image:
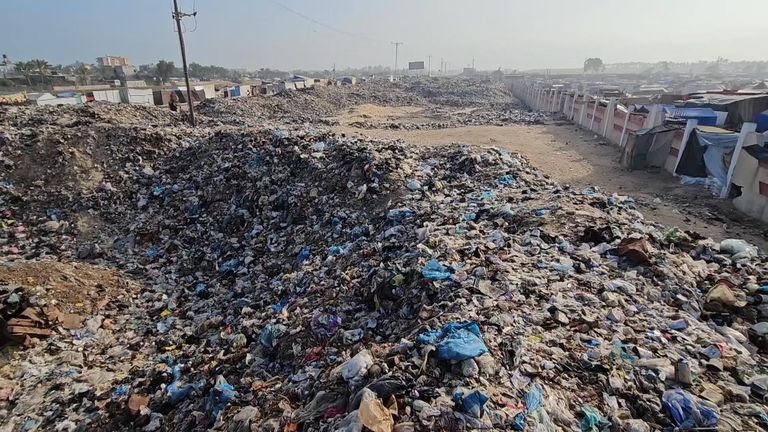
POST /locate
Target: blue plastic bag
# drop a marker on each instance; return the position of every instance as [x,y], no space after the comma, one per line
[220,396]
[455,342]
[400,214]
[177,392]
[433,270]
[592,421]
[229,265]
[518,423]
[472,404]
[533,398]
[339,250]
[270,334]
[687,411]
[507,180]
[303,254]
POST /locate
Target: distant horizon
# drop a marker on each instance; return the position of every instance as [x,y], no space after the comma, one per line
[308,35]
[578,67]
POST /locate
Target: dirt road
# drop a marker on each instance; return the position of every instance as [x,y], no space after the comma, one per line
[576,157]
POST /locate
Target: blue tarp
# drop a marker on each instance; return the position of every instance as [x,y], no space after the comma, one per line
[705,116]
[762,121]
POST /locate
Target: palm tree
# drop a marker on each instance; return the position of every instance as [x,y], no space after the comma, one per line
[24,68]
[42,67]
[83,73]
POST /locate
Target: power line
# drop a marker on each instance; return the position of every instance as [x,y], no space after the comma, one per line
[327,26]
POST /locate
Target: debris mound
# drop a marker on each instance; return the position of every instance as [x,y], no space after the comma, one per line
[291,279]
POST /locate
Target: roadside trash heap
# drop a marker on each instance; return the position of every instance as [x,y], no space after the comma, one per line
[292,280]
[496,115]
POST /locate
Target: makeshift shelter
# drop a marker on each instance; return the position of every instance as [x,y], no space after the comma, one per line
[648,148]
[741,108]
[751,175]
[704,156]
[705,116]
[162,97]
[762,121]
[103,95]
[136,96]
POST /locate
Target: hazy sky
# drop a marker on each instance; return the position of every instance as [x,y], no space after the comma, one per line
[497,33]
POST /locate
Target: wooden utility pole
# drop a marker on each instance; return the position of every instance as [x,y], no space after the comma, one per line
[178,16]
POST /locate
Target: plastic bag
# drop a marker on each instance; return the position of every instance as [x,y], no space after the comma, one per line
[455,341]
[472,404]
[433,270]
[507,180]
[533,398]
[373,414]
[354,369]
[738,248]
[687,411]
[592,420]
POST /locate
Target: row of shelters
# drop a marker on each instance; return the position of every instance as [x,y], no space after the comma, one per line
[714,139]
[138,93]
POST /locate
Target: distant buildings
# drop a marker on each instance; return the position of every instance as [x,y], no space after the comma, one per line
[115,67]
[109,60]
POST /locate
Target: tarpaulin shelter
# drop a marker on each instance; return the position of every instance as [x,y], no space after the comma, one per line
[162,97]
[705,151]
[741,108]
[705,116]
[648,148]
[762,121]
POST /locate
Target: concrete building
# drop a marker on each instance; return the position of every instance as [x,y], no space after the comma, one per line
[109,60]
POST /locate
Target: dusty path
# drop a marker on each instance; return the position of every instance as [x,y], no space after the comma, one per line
[572,156]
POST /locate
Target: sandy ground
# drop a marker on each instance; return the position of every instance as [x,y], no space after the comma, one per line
[572,156]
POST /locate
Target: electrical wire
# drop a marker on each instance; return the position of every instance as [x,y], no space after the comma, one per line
[327,26]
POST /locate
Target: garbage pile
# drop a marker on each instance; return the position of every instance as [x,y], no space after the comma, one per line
[299,107]
[496,115]
[458,92]
[293,280]
[317,104]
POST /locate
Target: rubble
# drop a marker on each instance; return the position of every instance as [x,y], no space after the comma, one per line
[285,278]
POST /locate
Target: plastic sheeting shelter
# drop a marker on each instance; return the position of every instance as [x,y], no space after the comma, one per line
[705,116]
[705,152]
[741,108]
[648,148]
[762,121]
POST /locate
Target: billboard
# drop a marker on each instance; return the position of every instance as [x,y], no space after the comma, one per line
[419,65]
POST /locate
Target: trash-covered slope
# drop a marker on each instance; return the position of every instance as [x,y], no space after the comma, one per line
[289,279]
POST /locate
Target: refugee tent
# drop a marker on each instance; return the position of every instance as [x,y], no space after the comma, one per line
[704,156]
[705,116]
[162,97]
[751,174]
[741,108]
[648,148]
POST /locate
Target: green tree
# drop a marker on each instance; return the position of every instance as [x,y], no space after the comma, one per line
[25,69]
[164,70]
[83,73]
[42,67]
[594,64]
[196,70]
